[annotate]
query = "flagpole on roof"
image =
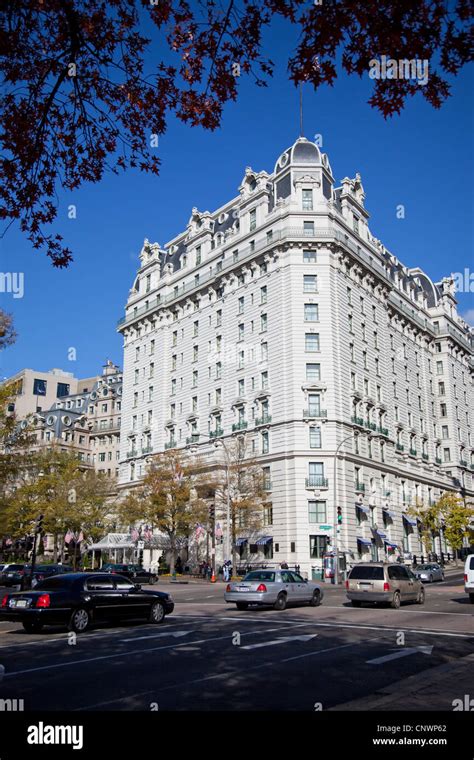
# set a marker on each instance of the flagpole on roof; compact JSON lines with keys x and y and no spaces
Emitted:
{"x":301,"y":109}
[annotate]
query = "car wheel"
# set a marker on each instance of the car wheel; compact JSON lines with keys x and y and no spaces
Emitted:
{"x":80,"y":620}
{"x":315,"y":600}
{"x":241,"y":605}
{"x":151,"y":580}
{"x":471,"y":598}
{"x":280,"y":603}
{"x":31,"y":626}
{"x":421,"y":596}
{"x":157,"y":613}
{"x":395,"y":603}
{"x":356,"y":603}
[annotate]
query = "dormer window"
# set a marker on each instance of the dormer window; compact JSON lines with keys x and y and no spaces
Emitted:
{"x":307,"y":200}
{"x":253,"y":219}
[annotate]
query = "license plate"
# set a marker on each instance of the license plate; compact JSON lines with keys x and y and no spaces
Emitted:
{"x":243,"y":588}
{"x":21,"y":603}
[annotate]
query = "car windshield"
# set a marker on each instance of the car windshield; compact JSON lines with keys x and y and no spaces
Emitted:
{"x":426,"y":567}
{"x":15,"y":567}
{"x":366,"y":572}
{"x":260,"y":575}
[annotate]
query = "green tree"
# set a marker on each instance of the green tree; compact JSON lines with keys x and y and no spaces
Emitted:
{"x":239,"y":479}
{"x":165,"y":499}
{"x":429,"y":521}
{"x":456,"y":517}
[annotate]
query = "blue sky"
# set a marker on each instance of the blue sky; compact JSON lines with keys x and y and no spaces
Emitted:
{"x":422,"y":159}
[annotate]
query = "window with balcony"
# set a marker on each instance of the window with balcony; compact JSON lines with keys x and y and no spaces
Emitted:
{"x":263,"y":294}
{"x":265,"y":442}
{"x":263,"y":322}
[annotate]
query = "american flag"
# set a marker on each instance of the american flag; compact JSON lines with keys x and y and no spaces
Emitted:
{"x":219,"y":531}
{"x":80,"y":537}
{"x":134,"y":534}
{"x":199,"y":530}
{"x":68,"y":537}
{"x":147,"y":534}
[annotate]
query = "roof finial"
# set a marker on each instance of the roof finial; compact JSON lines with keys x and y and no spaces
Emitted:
{"x":301,"y":109}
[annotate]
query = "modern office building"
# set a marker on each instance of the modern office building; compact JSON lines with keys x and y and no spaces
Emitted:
{"x":281,"y":318}
{"x":37,"y":391}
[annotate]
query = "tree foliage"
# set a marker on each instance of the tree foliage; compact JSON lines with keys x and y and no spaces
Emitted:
{"x":164,"y":500}
{"x":56,"y":485}
{"x":81,"y":97}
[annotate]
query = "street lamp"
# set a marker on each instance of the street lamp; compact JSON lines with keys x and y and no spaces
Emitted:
{"x":335,"y":510}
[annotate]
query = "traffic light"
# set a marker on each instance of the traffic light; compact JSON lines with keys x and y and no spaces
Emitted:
{"x":39,"y":523}
{"x":339,"y":516}
{"x":212,"y":512}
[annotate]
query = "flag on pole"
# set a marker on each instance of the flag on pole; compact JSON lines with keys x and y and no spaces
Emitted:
{"x":134,"y":534}
{"x":199,"y":530}
{"x":68,"y":537}
{"x":80,"y":537}
{"x":219,"y":531}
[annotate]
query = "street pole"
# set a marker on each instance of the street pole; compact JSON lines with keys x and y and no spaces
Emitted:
{"x":336,"y":542}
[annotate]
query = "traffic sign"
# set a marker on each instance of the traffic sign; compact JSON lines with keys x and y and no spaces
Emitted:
{"x":140,"y":545}
{"x":325,"y":527}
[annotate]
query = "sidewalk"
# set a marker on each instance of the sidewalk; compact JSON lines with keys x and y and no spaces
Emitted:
{"x":423,"y":691}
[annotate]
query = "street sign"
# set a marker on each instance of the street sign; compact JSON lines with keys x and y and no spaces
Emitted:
{"x":140,"y":545}
{"x":325,"y":527}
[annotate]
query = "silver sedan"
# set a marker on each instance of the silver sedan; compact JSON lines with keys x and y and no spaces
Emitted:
{"x":429,"y":572}
{"x":273,"y":587}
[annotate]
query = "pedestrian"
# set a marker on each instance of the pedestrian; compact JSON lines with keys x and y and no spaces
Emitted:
{"x":225,"y":572}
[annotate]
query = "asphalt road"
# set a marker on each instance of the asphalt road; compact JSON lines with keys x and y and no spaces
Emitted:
{"x":208,"y":656}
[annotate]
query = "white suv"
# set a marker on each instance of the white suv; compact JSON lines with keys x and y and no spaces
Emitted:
{"x":469,"y":577}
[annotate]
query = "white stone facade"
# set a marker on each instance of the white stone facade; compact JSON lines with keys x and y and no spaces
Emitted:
{"x":279,"y":316}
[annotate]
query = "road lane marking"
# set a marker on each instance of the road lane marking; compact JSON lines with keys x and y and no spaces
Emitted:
{"x":402,"y":652}
{"x":126,"y":654}
{"x":176,"y":634}
{"x":283,"y":640}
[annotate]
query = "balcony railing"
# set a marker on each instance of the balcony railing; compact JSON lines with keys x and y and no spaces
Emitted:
{"x":359,"y":487}
{"x":387,"y":493}
{"x":242,"y":425}
{"x":438,"y":460}
{"x":265,"y":420}
{"x":370,"y":425}
{"x":425,"y":457}
{"x":170,"y":445}
{"x":358,"y":421}
{"x":132,"y":453}
{"x":216,"y":433}
{"x":413,"y":452}
{"x":314,"y":413}
{"x":383,"y":431}
{"x":267,"y":485}
{"x":462,"y":463}
{"x":400,"y":447}
{"x":316,"y":481}
{"x":147,"y":449}
{"x":194,"y":438}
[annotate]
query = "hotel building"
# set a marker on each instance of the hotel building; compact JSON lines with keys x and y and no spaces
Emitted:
{"x":280,"y":317}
